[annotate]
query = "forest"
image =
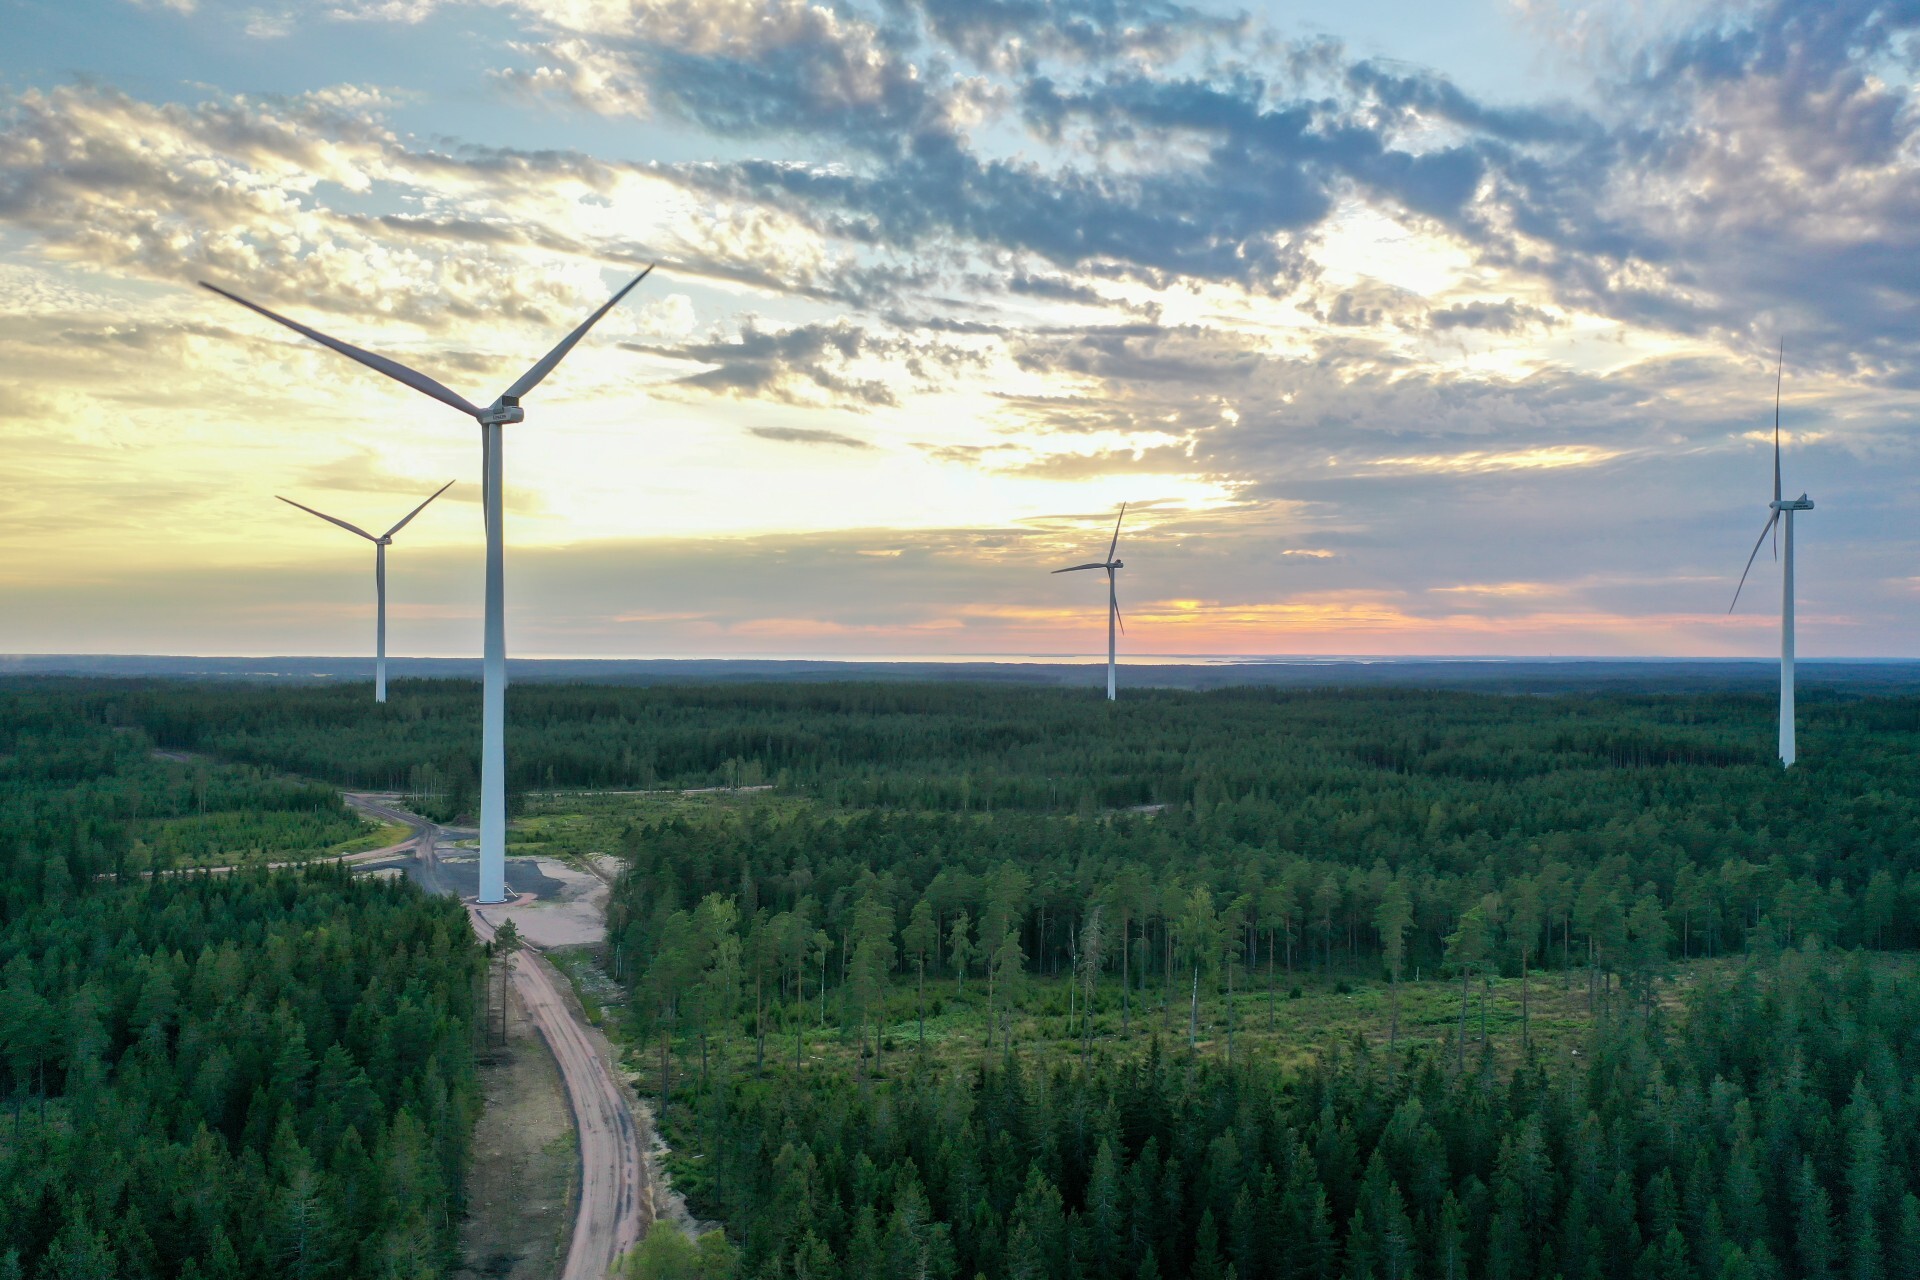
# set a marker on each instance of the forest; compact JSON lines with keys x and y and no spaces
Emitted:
{"x":1767,"y":1131}
{"x":260,"y":1074}
{"x":245,"y":1075}
{"x":1733,"y":1105}
{"x":957,"y":980}
{"x":84,"y":794}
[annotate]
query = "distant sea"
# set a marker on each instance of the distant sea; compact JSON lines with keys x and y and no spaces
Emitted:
{"x":1182,"y":671}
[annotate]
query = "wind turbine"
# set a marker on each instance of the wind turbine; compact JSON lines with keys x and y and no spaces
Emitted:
{"x":493,"y":695}
{"x":1778,"y":508}
{"x":380,"y":545}
{"x":1113,"y":599}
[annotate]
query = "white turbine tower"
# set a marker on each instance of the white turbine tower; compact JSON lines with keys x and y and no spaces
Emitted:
{"x":493,"y":698}
{"x":380,"y":545}
{"x":1113,"y":599}
{"x":1777,"y":509}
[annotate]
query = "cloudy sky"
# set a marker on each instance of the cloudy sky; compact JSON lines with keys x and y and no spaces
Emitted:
{"x":1440,"y":328}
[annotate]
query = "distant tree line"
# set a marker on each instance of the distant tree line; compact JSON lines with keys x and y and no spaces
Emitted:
{"x":84,"y":794}
{"x":985,"y":748}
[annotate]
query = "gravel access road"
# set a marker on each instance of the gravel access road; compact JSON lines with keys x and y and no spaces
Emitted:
{"x":615,"y":1193}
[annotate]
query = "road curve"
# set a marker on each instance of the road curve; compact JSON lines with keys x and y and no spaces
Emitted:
{"x":609,"y":1218}
{"x":615,"y":1202}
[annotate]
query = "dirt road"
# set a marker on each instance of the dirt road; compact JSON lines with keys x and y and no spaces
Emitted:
{"x":615,"y":1194}
{"x":613,"y":1172}
{"x":384,"y":808}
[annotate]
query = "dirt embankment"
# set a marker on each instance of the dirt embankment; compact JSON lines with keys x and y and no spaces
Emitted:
{"x":520,"y":1185}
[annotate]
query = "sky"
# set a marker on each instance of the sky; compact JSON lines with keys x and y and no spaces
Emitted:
{"x":1401,"y":328}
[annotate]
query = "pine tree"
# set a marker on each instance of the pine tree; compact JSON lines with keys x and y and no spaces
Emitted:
{"x":1393,"y":919}
{"x":1866,"y":1185}
{"x":960,"y":950}
{"x":919,"y":937}
{"x":1105,"y":1220}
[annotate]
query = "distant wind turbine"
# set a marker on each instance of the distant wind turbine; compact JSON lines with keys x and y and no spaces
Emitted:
{"x":493,"y":697}
{"x":1113,"y":598}
{"x":1777,"y":527}
{"x":380,"y":545}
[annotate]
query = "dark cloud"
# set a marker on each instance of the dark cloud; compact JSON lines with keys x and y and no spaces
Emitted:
{"x":1161,"y":460}
{"x":964,"y":454}
{"x":809,"y":435}
{"x":800,"y":365}
{"x":1366,"y":305}
{"x":989,"y":31}
{"x":1141,"y":353}
{"x":1410,"y":93}
{"x":1508,"y":316}
{"x":812,"y":364}
{"x":1058,"y":288}
{"x":1753,"y":173}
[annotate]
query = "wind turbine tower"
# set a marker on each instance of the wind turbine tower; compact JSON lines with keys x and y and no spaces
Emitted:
{"x":493,"y":696}
{"x":1780,"y":523}
{"x":1111,"y":565}
{"x":380,"y":545}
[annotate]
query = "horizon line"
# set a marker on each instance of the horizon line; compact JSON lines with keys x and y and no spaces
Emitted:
{"x":995,"y":659}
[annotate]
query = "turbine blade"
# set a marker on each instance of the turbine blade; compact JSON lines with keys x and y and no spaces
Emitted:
{"x":1114,"y":600}
{"x":1779,"y":370}
{"x":351,"y":528}
{"x":1764,"y":530}
{"x":532,"y":377}
{"x":1078,"y":567}
{"x":379,"y":364}
{"x":1116,"y":530}
{"x":417,"y":510}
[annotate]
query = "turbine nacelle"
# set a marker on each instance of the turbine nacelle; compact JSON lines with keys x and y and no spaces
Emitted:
{"x":1801,"y":503}
{"x":1117,"y":564}
{"x":502,"y":411}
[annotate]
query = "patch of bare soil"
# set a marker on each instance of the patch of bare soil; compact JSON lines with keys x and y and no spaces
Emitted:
{"x":521,"y":1182}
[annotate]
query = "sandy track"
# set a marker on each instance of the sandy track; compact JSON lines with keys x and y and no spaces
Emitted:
{"x":613,"y":1172}
{"x":616,"y":1203}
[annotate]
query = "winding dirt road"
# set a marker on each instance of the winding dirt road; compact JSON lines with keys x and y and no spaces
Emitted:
{"x":616,"y":1200}
{"x":613,"y":1171}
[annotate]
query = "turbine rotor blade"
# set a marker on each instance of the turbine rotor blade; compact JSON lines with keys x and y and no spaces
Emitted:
{"x":1116,"y":530}
{"x":1113,"y":599}
{"x":1078,"y":567}
{"x":532,"y":377}
{"x":350,"y":528}
{"x":417,"y":510}
{"x":1764,"y":530}
{"x":379,"y":364}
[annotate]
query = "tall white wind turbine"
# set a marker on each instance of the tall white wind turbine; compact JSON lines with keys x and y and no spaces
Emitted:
{"x":1778,"y":509}
{"x":493,"y":699}
{"x":380,"y":545}
{"x":1113,"y":598}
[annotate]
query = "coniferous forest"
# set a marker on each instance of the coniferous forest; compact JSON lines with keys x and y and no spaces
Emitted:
{"x":255,"y":1074}
{"x":1094,"y":900}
